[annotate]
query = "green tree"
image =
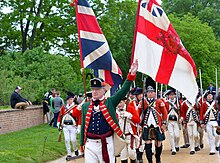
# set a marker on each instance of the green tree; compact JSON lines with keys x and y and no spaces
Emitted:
{"x":206,"y":10}
{"x":37,"y":72}
{"x":37,"y":23}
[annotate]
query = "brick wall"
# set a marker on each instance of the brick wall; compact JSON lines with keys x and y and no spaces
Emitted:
{"x":17,"y":119}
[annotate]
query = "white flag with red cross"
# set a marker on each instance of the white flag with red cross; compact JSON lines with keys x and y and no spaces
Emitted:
{"x":160,"y":52}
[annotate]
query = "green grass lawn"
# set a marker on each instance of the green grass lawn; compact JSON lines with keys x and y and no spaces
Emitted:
{"x":27,"y":145}
{"x":5,"y":107}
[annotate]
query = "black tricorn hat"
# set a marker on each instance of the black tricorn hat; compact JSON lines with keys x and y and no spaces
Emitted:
{"x":70,"y":95}
{"x":138,"y":91}
{"x":97,"y":83}
{"x":132,"y":90}
{"x":210,"y":92}
{"x":171,"y":90}
{"x":89,"y":94}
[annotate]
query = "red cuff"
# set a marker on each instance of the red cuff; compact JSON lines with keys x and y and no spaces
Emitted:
{"x":131,"y":77}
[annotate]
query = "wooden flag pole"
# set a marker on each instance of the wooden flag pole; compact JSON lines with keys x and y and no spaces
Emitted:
{"x":84,"y":81}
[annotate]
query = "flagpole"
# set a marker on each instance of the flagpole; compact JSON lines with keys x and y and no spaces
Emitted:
{"x":84,"y":81}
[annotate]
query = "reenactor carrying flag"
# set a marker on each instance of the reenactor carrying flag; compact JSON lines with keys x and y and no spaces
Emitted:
{"x":153,"y":124}
{"x":99,"y":121}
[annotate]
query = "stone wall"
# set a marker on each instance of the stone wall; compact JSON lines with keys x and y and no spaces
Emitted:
{"x":17,"y":119}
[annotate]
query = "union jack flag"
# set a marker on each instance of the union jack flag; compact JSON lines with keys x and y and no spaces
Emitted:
{"x":94,"y":49}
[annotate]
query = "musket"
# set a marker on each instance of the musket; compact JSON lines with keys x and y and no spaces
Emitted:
{"x":143,"y":89}
{"x":216,"y":80}
{"x":127,"y":102}
{"x":60,"y":130}
{"x":161,"y":90}
{"x":200,"y":80}
{"x":61,"y":117}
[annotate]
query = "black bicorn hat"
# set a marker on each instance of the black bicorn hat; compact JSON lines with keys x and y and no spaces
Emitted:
{"x":138,"y":91}
{"x":97,"y":83}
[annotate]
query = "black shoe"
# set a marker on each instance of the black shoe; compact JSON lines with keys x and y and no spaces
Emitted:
{"x":216,"y":148}
{"x":197,"y":149}
{"x":192,"y":152}
{"x":77,"y":153}
{"x":177,"y":149}
{"x":68,"y":157}
{"x":184,"y":146}
{"x":187,"y":145}
{"x":201,"y":146}
{"x":211,"y":153}
{"x":173,"y":153}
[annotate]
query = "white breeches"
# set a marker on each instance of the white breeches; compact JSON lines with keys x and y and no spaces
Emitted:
{"x":70,"y":135}
{"x":127,"y":152}
{"x":211,"y":131}
{"x":174,"y":132}
{"x":193,"y":135}
{"x":93,"y":150}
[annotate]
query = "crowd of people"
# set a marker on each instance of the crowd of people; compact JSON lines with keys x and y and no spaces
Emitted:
{"x":135,"y":117}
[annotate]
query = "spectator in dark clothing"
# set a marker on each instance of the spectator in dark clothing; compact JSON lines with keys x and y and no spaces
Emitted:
{"x":18,"y":102}
{"x":211,"y":88}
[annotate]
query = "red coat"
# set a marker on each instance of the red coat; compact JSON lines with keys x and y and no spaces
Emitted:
{"x":75,"y":113}
{"x":160,"y":110}
{"x":204,"y":109}
{"x":168,"y":107}
{"x":135,"y":103}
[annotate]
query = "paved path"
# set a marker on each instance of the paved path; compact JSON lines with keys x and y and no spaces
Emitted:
{"x":182,"y":156}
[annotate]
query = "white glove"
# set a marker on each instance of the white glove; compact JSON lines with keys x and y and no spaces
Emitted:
{"x":128,"y":115}
{"x":78,"y":129}
{"x":58,"y":124}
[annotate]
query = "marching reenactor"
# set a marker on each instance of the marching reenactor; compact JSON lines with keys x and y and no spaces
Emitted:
{"x":199,"y":101}
{"x":173,"y":109}
{"x":128,"y":120}
{"x":138,"y":93}
{"x":208,"y":117}
{"x":153,"y":124}
{"x":190,"y":119}
{"x":184,"y":128}
{"x":99,"y":121}
{"x":69,"y":121}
